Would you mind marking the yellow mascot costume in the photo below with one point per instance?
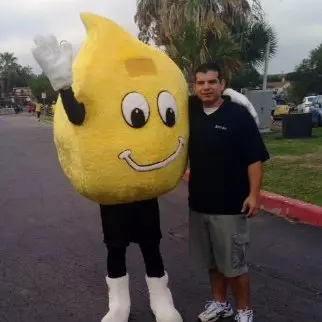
(121, 132)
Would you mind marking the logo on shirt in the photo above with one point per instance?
(220, 127)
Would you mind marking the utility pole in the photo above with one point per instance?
(268, 46)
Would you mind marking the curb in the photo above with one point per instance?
(288, 208)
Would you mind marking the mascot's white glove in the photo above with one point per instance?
(241, 99)
(55, 60)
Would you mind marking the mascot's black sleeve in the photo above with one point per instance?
(74, 110)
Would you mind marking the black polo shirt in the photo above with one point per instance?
(222, 146)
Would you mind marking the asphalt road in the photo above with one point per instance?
(52, 259)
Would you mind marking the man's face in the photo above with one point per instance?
(208, 86)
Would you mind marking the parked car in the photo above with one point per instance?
(316, 110)
(281, 109)
(317, 102)
(307, 103)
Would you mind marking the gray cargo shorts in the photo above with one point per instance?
(219, 242)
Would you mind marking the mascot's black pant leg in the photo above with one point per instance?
(116, 262)
(152, 259)
(137, 222)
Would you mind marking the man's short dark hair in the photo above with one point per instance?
(210, 67)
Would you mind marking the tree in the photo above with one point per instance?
(24, 75)
(40, 84)
(8, 69)
(274, 78)
(191, 32)
(248, 78)
(253, 37)
(307, 77)
(13, 75)
(155, 17)
(192, 45)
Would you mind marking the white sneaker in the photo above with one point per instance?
(215, 311)
(119, 300)
(244, 316)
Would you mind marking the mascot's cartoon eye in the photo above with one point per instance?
(167, 108)
(135, 109)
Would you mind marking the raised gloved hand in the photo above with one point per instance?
(55, 60)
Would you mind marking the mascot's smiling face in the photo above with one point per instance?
(133, 142)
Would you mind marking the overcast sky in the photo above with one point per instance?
(297, 22)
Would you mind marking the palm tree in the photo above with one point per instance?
(8, 70)
(24, 75)
(154, 15)
(253, 36)
(194, 31)
(193, 45)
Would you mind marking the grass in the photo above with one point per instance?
(295, 168)
(45, 118)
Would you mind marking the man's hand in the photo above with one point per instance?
(55, 60)
(250, 206)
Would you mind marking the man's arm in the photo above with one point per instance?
(255, 175)
(254, 154)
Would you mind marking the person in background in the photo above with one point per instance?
(38, 111)
(226, 154)
(53, 107)
(30, 108)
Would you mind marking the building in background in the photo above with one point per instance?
(278, 87)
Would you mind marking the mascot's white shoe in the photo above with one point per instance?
(119, 300)
(161, 301)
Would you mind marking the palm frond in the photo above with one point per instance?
(253, 38)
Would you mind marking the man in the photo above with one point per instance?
(38, 111)
(226, 154)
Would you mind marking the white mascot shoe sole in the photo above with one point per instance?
(119, 300)
(161, 301)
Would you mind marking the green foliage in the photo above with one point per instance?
(13, 75)
(231, 32)
(275, 78)
(307, 77)
(40, 84)
(248, 78)
(253, 36)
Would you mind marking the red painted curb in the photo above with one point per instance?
(286, 207)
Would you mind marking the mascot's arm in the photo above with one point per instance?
(56, 62)
(241, 99)
(74, 110)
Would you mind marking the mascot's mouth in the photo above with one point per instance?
(126, 155)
